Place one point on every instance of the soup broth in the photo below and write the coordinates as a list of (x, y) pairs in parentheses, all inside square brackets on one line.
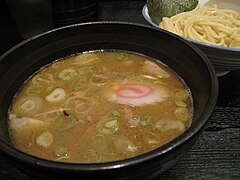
[(99, 106)]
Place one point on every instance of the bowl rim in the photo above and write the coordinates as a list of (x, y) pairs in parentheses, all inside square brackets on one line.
[(78, 167), (220, 48)]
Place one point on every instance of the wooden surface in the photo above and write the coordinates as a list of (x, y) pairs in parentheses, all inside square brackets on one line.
[(216, 154)]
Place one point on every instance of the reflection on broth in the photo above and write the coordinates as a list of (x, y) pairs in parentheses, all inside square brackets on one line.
[(99, 107)]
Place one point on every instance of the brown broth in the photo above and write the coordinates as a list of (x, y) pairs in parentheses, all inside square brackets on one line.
[(99, 107)]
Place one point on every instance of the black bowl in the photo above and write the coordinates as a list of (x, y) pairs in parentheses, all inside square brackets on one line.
[(185, 59)]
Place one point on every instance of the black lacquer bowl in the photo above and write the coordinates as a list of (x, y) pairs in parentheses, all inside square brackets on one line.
[(189, 62)]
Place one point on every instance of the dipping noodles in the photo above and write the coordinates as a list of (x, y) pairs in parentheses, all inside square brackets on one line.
[(207, 24)]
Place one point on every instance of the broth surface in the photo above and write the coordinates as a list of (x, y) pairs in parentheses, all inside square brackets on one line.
[(99, 107)]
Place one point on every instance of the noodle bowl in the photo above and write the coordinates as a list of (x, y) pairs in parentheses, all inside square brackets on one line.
[(224, 58), (207, 24)]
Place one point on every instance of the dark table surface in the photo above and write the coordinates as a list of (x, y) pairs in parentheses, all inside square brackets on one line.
[(216, 154)]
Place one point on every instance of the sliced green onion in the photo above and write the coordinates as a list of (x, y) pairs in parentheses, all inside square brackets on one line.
[(125, 145), (180, 103), (111, 124), (61, 151), (145, 120), (56, 95), (92, 155), (67, 74), (87, 69), (166, 125), (73, 122), (99, 79), (161, 81), (181, 94), (107, 126), (28, 105), (12, 116), (80, 83), (116, 113), (34, 80), (139, 77), (122, 57), (181, 126), (182, 114), (35, 89), (97, 149), (85, 58), (62, 123)]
